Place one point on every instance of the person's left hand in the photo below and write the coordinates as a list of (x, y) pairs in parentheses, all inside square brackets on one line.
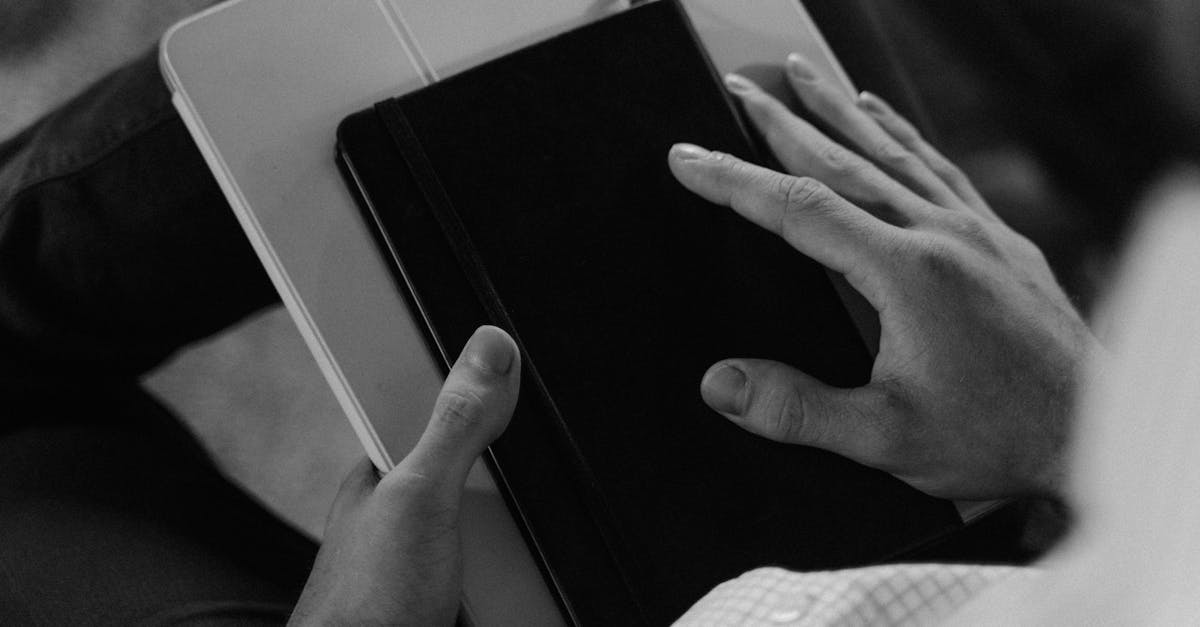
[(971, 393), (392, 554)]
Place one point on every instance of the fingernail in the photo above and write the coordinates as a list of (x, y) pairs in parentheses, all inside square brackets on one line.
[(724, 389), (490, 351), (738, 84), (800, 69), (688, 152), (872, 104)]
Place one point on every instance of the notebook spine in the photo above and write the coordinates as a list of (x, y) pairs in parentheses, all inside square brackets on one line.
[(393, 118)]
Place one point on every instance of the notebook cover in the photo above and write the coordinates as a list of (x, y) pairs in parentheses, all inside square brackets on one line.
[(532, 193)]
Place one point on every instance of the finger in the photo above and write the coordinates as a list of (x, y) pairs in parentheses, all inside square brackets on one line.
[(807, 214), (908, 136), (841, 112), (472, 410), (783, 404), (356, 487), (805, 151)]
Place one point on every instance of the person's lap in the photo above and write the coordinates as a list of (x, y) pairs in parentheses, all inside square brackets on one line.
[(126, 520), (116, 248)]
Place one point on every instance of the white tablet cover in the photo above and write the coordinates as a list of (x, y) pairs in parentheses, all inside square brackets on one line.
[(262, 85)]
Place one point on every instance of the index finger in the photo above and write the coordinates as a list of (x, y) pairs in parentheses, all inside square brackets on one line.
[(804, 212)]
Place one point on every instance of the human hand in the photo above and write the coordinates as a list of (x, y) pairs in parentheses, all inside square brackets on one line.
[(972, 388), (392, 554)]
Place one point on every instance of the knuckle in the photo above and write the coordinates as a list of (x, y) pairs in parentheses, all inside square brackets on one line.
[(891, 154), (1026, 248), (970, 231), (801, 194), (760, 109), (774, 115), (804, 199), (839, 160), (903, 250), (967, 227), (459, 411), (793, 420), (809, 417), (909, 133), (800, 418), (948, 171), (937, 260), (904, 130), (825, 105)]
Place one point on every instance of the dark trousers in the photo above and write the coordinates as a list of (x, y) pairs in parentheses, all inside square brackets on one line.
[(116, 249)]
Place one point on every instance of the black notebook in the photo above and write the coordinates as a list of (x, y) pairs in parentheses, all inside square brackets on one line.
[(533, 193)]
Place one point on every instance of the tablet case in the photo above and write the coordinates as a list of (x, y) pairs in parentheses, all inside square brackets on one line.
[(532, 193)]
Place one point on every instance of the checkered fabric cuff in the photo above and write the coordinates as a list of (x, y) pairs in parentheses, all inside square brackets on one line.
[(903, 594)]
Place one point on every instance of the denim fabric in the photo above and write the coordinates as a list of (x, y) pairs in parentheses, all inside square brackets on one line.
[(116, 245), (116, 248)]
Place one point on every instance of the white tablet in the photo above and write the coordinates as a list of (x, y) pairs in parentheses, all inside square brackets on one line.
[(262, 85)]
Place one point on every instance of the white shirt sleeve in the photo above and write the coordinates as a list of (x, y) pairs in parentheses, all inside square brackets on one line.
[(903, 594)]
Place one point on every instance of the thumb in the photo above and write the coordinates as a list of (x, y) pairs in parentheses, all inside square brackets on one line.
[(472, 410), (783, 404)]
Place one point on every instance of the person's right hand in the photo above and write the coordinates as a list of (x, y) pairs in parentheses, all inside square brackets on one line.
[(391, 554), (972, 388)]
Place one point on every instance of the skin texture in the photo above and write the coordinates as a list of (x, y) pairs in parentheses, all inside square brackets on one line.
[(971, 393), (392, 553)]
